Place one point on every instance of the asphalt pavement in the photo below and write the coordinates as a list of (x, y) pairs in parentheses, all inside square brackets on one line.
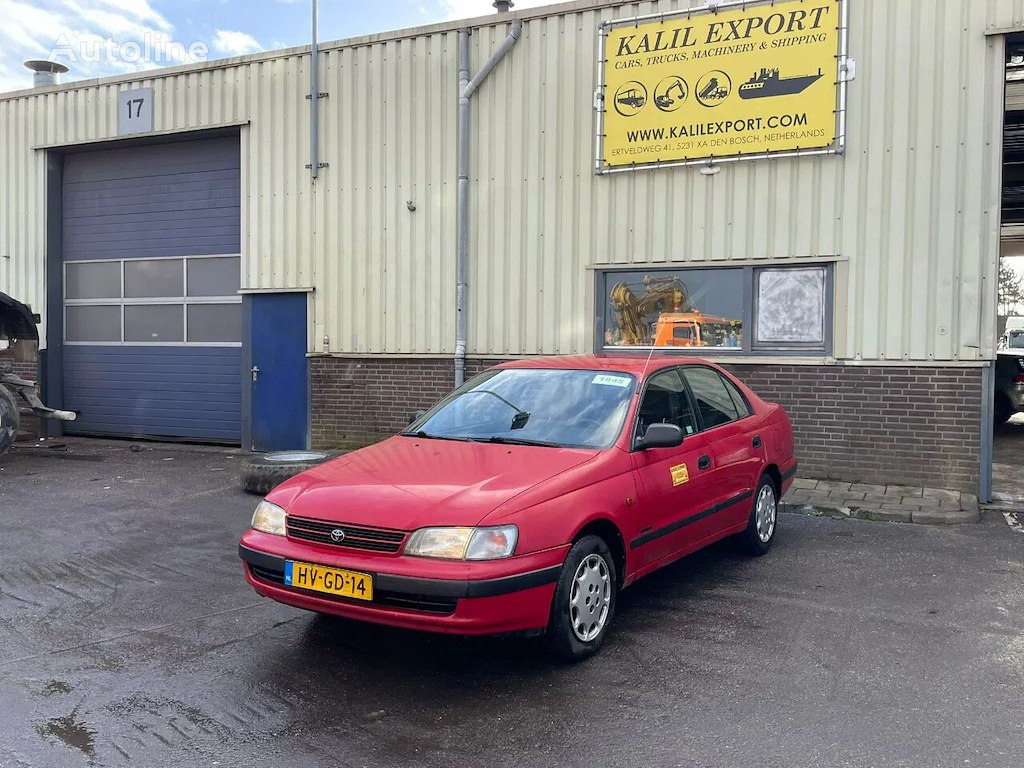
[(128, 637)]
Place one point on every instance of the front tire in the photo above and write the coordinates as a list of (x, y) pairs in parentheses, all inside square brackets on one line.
[(10, 420), (584, 601), (764, 518)]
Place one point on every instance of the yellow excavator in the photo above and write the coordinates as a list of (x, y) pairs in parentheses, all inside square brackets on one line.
[(662, 295)]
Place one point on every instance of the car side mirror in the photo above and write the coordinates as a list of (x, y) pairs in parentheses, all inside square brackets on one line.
[(416, 416), (660, 436)]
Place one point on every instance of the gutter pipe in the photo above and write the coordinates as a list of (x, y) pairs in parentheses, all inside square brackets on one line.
[(314, 96), (467, 87)]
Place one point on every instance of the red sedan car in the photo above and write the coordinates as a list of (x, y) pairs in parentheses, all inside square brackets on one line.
[(528, 498)]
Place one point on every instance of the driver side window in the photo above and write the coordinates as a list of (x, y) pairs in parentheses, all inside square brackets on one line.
[(665, 402)]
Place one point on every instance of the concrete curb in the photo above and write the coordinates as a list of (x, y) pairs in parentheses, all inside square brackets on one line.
[(938, 516)]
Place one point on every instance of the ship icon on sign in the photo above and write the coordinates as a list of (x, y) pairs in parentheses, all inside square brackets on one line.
[(770, 83)]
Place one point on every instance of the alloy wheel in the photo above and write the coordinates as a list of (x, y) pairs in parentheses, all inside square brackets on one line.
[(765, 513), (590, 598)]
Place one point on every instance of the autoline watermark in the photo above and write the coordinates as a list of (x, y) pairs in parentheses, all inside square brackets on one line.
[(154, 48)]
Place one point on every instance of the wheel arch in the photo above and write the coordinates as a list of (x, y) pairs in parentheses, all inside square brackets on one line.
[(17, 320), (772, 470), (612, 535)]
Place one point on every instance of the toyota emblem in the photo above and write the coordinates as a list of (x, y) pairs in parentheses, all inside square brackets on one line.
[(337, 535)]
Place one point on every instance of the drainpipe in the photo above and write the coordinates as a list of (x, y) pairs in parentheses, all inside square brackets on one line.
[(467, 87), (314, 97)]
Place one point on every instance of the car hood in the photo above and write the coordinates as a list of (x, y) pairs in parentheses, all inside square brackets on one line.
[(409, 483)]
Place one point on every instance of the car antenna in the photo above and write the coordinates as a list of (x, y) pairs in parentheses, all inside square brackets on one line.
[(649, 356)]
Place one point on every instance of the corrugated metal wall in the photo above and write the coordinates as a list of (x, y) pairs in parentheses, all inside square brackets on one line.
[(1004, 16), (912, 208)]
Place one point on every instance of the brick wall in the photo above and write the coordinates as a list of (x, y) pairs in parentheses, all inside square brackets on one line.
[(879, 425), (357, 401)]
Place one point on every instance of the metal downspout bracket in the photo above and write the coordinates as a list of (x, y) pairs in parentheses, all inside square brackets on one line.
[(314, 97), (467, 87)]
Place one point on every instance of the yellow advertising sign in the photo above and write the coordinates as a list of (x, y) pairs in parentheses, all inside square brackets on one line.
[(749, 80)]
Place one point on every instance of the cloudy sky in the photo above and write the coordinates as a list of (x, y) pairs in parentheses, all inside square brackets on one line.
[(108, 37)]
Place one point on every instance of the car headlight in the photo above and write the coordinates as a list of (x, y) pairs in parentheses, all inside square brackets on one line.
[(464, 543), (268, 518)]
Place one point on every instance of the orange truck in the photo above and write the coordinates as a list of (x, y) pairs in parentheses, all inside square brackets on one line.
[(692, 329)]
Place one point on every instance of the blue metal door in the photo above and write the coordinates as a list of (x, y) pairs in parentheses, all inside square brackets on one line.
[(280, 390)]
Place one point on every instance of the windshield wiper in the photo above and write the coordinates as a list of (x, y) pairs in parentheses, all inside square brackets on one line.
[(519, 441), (428, 436), (521, 416)]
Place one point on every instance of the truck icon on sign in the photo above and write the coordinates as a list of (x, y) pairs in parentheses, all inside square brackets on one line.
[(630, 98), (713, 88)]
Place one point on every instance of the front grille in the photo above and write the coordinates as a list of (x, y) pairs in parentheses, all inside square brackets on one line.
[(274, 577), (440, 605), (384, 540)]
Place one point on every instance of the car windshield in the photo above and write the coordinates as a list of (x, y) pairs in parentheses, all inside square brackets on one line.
[(1015, 340), (533, 406)]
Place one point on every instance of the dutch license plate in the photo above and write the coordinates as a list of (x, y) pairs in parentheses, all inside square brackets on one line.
[(331, 581)]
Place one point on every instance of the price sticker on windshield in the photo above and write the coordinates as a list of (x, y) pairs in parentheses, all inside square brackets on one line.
[(612, 381)]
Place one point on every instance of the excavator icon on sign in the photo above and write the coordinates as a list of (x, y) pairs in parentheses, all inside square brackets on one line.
[(671, 93)]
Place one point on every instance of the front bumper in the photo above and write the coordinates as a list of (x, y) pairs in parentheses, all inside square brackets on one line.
[(502, 597)]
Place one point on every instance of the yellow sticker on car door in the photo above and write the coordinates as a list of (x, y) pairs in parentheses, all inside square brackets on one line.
[(680, 474)]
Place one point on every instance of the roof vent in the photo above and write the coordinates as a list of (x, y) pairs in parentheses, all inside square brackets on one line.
[(46, 72), (503, 6)]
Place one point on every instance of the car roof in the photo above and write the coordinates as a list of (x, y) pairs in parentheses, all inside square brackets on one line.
[(635, 364)]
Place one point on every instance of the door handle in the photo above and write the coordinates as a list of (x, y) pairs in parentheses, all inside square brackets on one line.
[(255, 372), (704, 462), (757, 442)]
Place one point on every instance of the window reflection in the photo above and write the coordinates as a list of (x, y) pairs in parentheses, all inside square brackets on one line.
[(699, 308)]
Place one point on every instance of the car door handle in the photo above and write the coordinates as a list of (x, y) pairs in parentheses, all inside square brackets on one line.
[(756, 442), (704, 462)]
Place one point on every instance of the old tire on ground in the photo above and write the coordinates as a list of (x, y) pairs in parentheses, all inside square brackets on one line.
[(10, 420), (263, 472), (584, 602)]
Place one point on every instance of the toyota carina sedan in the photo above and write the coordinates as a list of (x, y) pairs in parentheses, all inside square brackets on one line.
[(528, 498)]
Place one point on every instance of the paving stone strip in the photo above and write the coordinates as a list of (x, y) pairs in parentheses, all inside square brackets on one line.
[(883, 503)]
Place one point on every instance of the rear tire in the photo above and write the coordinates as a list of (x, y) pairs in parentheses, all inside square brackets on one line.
[(264, 472), (10, 420), (584, 602), (764, 519)]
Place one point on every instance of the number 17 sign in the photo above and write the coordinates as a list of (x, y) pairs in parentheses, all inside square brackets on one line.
[(135, 111)]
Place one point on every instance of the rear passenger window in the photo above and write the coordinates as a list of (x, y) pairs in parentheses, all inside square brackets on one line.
[(737, 397), (714, 401)]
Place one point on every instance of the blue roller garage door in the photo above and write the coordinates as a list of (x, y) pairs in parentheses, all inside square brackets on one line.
[(152, 318)]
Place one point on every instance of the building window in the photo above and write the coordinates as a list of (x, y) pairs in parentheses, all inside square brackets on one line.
[(684, 308), (726, 310), (790, 310), (178, 301)]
